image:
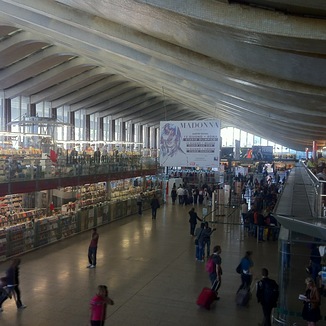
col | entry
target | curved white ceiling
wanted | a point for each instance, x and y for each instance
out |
(146, 61)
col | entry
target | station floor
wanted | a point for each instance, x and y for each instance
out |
(150, 269)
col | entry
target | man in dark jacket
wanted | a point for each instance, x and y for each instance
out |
(155, 204)
(12, 276)
(267, 295)
(193, 217)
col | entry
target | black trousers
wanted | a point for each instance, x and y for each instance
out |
(267, 311)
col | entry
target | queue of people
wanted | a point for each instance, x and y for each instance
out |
(191, 195)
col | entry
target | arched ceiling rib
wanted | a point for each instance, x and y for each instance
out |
(153, 60)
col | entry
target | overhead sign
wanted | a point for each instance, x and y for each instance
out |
(190, 143)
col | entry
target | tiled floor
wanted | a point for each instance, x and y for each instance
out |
(150, 269)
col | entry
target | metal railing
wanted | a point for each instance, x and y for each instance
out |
(316, 191)
(30, 168)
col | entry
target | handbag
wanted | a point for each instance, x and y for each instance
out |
(239, 269)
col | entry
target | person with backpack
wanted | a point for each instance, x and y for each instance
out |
(214, 268)
(267, 295)
(245, 269)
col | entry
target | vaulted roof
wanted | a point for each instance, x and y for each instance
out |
(145, 61)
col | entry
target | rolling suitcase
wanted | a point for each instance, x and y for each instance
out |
(242, 297)
(206, 298)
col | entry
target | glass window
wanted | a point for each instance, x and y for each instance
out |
(263, 142)
(117, 132)
(250, 140)
(40, 109)
(257, 141)
(24, 105)
(278, 148)
(80, 125)
(243, 139)
(136, 137)
(93, 127)
(227, 136)
(236, 134)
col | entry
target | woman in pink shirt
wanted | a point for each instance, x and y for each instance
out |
(98, 306)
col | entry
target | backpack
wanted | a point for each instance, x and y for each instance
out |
(210, 266)
(270, 292)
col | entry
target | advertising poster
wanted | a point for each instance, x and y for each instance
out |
(262, 153)
(227, 153)
(245, 153)
(190, 143)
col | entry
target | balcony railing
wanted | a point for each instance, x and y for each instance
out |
(30, 169)
(316, 191)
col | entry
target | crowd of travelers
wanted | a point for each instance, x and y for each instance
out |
(258, 218)
(257, 200)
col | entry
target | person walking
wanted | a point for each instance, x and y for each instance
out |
(244, 210)
(139, 202)
(200, 196)
(12, 277)
(311, 303)
(98, 306)
(267, 295)
(155, 204)
(180, 193)
(207, 239)
(246, 265)
(92, 249)
(199, 242)
(193, 217)
(173, 195)
(215, 276)
(4, 292)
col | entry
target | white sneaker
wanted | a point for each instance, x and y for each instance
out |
(92, 266)
(88, 266)
(22, 307)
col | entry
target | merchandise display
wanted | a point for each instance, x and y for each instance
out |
(80, 208)
(47, 230)
(12, 212)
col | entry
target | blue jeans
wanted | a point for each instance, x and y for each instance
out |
(92, 255)
(261, 233)
(207, 244)
(199, 251)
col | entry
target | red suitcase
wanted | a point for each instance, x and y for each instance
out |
(206, 298)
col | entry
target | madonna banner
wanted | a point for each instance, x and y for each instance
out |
(190, 143)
